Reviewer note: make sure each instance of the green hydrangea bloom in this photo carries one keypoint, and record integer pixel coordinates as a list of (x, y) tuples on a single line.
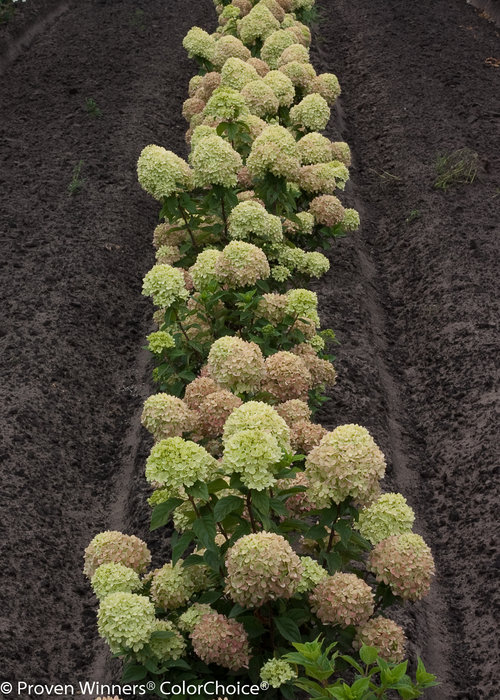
[(258, 415), (274, 46), (254, 454), (280, 273), (301, 74), (165, 284), (236, 73), (236, 364), (317, 343), (312, 574), (175, 462), (167, 416), (314, 148), (389, 515), (229, 47), (249, 220), (172, 586), (189, 619), (294, 52), (160, 341), (200, 132), (169, 649), (276, 672), (311, 114), (315, 264), (113, 578), (274, 151), (125, 621), (258, 24), (328, 86), (203, 271), (351, 221), (199, 44), (241, 265), (282, 87), (302, 303), (215, 162), (161, 172)]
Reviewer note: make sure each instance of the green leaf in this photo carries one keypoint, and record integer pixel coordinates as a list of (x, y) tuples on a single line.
[(344, 530), (227, 505), (352, 662), (199, 490), (162, 634), (180, 545), (161, 513), (288, 629), (333, 561), (368, 655), (423, 677), (209, 597), (260, 501), (204, 529), (316, 532), (133, 672), (253, 627), (217, 485)]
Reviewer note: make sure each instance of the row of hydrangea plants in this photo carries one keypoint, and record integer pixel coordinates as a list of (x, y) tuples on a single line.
[(281, 534)]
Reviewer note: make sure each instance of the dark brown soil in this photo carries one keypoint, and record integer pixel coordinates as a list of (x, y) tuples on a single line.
[(413, 298)]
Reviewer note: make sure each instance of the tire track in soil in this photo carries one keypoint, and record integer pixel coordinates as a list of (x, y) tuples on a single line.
[(74, 375), (415, 305)]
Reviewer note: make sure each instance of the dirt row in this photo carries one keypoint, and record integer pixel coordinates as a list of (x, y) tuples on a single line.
[(411, 298)]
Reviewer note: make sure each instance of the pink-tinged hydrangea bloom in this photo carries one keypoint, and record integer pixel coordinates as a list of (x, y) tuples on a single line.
[(166, 416), (229, 47), (385, 635), (236, 364), (272, 307), (305, 436), (210, 82), (161, 172), (241, 265), (194, 84), (345, 463), (326, 85), (260, 98), (192, 106), (294, 410), (274, 151), (295, 52), (260, 66), (168, 255), (342, 599), (257, 414), (300, 74), (113, 546), (327, 210), (312, 113), (261, 567), (389, 515), (298, 504), (169, 234), (405, 563), (125, 621), (172, 586), (214, 410), (341, 152), (219, 640), (305, 225), (318, 178), (287, 377), (322, 371), (215, 162), (275, 8), (198, 389)]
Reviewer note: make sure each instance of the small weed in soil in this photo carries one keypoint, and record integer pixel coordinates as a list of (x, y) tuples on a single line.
[(77, 181), (137, 20), (386, 176), (92, 107), (456, 168), (413, 216)]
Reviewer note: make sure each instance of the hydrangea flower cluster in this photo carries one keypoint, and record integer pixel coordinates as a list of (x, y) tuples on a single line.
[(175, 462), (169, 649), (165, 284), (171, 586), (254, 454), (219, 640), (241, 264), (113, 578), (342, 599), (261, 567), (189, 619), (126, 621), (346, 463), (287, 377), (256, 414), (405, 563), (236, 364), (167, 416), (250, 221), (113, 546), (385, 635), (161, 172), (312, 574), (389, 515), (277, 672)]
